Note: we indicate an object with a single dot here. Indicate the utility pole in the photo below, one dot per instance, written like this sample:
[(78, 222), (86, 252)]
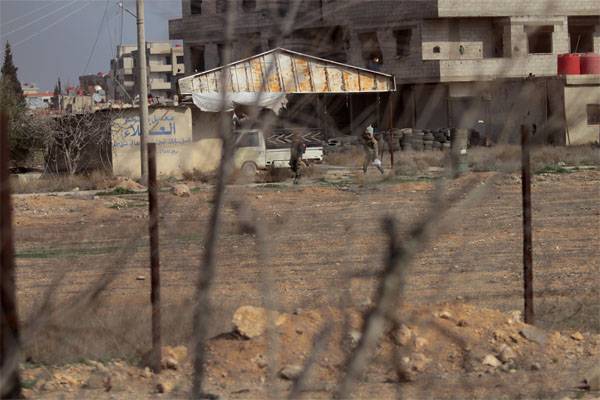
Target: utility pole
[(143, 84)]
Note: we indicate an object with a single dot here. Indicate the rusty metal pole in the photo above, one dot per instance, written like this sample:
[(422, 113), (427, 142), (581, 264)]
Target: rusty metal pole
[(527, 239), (9, 321), (391, 99), (154, 258)]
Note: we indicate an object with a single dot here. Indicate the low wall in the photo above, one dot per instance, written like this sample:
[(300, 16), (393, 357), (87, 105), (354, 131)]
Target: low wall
[(177, 151)]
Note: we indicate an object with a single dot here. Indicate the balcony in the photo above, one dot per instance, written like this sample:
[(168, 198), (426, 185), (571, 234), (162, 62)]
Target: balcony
[(156, 84), (160, 67), (492, 68)]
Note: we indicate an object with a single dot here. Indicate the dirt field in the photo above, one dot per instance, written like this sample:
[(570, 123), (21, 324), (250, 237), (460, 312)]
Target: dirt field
[(325, 247)]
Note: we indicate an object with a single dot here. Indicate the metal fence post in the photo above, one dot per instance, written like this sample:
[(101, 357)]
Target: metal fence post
[(154, 257), (527, 237), (9, 321)]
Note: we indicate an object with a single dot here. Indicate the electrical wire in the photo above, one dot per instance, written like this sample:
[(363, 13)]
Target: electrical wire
[(20, 17), (87, 64), (38, 19), (53, 24)]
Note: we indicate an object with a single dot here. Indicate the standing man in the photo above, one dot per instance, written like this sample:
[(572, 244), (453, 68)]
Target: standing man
[(296, 161), (371, 149)]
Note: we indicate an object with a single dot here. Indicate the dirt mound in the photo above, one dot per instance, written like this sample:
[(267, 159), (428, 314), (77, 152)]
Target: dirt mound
[(448, 343)]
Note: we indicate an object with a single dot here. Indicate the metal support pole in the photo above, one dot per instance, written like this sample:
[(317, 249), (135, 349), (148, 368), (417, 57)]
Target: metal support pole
[(9, 321), (143, 88), (391, 99), (527, 240), (154, 257)]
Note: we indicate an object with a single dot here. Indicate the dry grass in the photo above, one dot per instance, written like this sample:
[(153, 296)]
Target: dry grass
[(507, 158), (501, 158), (63, 183)]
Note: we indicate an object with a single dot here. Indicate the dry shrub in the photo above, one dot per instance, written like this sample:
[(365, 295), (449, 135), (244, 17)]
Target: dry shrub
[(351, 157), (507, 158), (417, 162), (61, 183), (196, 175)]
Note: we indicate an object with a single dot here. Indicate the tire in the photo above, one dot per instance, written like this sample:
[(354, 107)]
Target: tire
[(249, 169)]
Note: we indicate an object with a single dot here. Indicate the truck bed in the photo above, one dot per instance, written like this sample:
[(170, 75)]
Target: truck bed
[(280, 158)]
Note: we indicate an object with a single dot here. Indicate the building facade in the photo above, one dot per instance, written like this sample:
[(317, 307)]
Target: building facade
[(456, 62), (164, 63)]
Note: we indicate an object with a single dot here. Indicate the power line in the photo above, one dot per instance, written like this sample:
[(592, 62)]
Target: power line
[(53, 24), (50, 3), (87, 64), (38, 19)]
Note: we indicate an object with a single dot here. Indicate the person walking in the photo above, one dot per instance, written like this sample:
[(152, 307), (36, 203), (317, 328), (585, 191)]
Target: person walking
[(371, 149), (296, 161)]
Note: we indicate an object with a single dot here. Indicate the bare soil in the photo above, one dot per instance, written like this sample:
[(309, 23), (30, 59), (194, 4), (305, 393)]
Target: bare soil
[(325, 250)]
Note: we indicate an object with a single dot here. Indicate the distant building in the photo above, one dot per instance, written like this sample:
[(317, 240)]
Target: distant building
[(457, 63), (165, 62), (38, 100)]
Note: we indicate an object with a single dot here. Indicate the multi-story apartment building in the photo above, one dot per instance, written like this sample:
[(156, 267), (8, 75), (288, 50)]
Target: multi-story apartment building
[(164, 61), (456, 62)]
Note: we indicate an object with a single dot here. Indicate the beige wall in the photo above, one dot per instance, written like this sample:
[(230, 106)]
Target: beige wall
[(576, 100), (171, 129)]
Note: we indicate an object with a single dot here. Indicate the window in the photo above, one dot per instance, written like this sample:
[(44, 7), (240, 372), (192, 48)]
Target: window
[(582, 38), (168, 60), (197, 58), (248, 139), (403, 37), (221, 6), (593, 114), (371, 52), (196, 6), (180, 60), (283, 8), (248, 5), (498, 40), (436, 49), (539, 39)]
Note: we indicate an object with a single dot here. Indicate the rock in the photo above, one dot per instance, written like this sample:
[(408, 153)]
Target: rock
[(147, 373), (592, 379), (97, 380), (534, 334), (536, 366), (164, 386), (402, 336), (445, 314), (506, 354), (491, 360), (405, 372), (462, 323), (291, 372), (128, 184), (170, 363), (354, 337), (515, 316), (419, 361), (577, 336), (260, 361), (178, 353), (181, 190), (252, 321), (420, 343)]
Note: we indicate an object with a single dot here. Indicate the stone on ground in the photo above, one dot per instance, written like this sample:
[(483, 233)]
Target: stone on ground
[(577, 336), (491, 360), (403, 335), (181, 190), (252, 321), (291, 372), (534, 334)]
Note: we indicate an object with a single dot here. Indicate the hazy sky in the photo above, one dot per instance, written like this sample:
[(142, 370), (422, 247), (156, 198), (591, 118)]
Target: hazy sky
[(54, 38)]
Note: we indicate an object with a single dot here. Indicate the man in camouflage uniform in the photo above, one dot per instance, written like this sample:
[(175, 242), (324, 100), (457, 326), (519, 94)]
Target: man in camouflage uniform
[(371, 149), (296, 161)]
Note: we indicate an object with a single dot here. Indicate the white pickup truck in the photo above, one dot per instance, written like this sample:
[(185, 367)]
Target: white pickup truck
[(252, 154)]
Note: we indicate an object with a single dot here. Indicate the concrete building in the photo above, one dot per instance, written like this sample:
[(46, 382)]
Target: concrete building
[(165, 63), (456, 63)]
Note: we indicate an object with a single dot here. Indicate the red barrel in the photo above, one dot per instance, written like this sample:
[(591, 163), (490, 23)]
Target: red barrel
[(568, 64), (590, 64)]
